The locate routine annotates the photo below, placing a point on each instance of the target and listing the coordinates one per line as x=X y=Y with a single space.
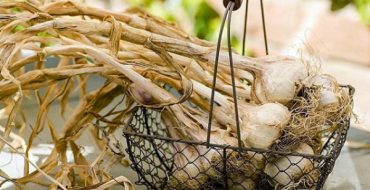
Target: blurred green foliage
x=197 y=16
x=363 y=7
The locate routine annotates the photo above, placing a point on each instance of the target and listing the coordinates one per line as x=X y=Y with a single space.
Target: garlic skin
x=140 y=94
x=279 y=81
x=191 y=176
x=288 y=169
x=329 y=91
x=239 y=183
x=276 y=78
x=262 y=125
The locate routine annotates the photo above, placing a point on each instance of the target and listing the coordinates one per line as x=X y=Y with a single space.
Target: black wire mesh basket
x=163 y=162
x=153 y=156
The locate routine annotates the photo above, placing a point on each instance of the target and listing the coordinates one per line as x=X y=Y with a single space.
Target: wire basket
x=152 y=154
x=162 y=162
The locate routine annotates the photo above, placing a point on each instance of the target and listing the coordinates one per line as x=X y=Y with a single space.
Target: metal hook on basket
x=237 y=4
x=231 y=5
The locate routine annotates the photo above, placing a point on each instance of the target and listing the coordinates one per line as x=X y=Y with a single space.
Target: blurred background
x=335 y=33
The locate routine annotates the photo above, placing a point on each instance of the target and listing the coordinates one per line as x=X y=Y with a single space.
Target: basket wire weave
x=153 y=153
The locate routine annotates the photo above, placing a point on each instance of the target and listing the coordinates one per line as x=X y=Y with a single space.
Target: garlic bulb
x=289 y=169
x=189 y=173
x=279 y=81
x=262 y=125
x=240 y=183
x=329 y=91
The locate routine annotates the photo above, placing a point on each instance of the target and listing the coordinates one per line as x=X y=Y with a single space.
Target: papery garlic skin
x=262 y=125
x=329 y=91
x=289 y=169
x=241 y=183
x=279 y=81
x=191 y=176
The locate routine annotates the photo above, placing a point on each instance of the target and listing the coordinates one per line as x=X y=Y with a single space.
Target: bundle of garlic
x=282 y=105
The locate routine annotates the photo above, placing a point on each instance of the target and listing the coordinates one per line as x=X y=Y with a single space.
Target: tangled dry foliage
x=136 y=54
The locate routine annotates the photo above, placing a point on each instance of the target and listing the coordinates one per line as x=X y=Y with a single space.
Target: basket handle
x=231 y=5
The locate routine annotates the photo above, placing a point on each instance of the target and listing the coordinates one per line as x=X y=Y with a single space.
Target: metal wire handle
x=231 y=5
x=263 y=26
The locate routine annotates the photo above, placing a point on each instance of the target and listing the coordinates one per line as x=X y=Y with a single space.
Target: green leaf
x=44 y=34
x=15 y=10
x=363 y=7
x=203 y=17
x=339 y=4
x=145 y=3
x=19 y=28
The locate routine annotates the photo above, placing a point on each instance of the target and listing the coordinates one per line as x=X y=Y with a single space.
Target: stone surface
x=339 y=180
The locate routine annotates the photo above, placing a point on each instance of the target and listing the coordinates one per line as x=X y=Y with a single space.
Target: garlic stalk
x=277 y=79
